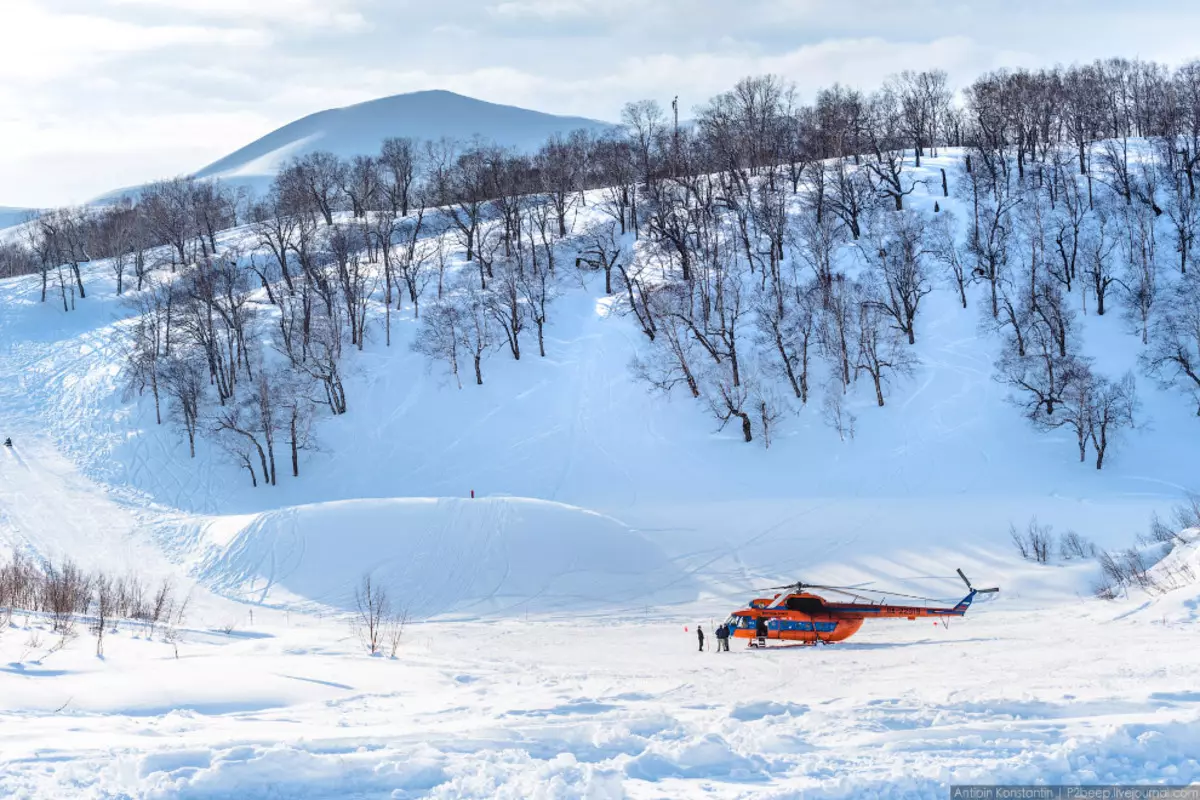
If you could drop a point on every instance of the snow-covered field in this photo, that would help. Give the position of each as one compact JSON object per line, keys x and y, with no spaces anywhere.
{"x":547,"y":654}
{"x":604,"y":707}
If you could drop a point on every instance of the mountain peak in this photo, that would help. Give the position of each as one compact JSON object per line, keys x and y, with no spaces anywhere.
{"x":360,"y":129}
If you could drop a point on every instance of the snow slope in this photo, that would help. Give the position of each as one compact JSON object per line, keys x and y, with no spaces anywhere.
{"x":360,"y":130}
{"x":550,"y":658}
{"x":931,"y":482}
{"x":449,"y":557}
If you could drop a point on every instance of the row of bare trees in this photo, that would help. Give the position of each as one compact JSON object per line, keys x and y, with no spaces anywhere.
{"x":171,"y":223}
{"x":1061,"y":236}
{"x":67,"y":595}
{"x":733,"y":205}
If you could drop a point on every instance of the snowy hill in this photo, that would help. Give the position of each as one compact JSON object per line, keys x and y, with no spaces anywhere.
{"x":929,"y":483}
{"x":360,"y":130}
{"x":464,"y":557}
{"x":556,"y":533}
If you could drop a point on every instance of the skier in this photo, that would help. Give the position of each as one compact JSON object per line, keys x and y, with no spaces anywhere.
{"x":8,"y":442}
{"x":700,"y":636}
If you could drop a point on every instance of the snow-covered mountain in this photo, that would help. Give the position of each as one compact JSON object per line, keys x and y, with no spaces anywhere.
{"x":10,"y":216}
{"x":360,"y":130}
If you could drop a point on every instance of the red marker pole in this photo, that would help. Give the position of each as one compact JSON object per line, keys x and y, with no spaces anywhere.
{"x":472,"y":494}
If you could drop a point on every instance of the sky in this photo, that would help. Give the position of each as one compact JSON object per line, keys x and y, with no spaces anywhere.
{"x":100,"y":94}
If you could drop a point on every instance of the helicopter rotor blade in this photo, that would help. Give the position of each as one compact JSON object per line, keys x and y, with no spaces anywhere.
{"x":964,"y":579}
{"x":841,"y":592}
{"x":823,"y":586}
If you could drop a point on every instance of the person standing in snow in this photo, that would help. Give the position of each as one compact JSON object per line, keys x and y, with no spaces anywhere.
{"x":722,"y":638}
{"x":700,"y":636}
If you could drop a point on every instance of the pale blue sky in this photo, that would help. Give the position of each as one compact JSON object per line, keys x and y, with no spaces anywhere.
{"x":96,"y":94}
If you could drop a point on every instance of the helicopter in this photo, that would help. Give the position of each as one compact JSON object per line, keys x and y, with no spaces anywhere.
{"x":803,"y":617}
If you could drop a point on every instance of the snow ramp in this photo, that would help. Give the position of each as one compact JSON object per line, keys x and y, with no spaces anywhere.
{"x":443,"y":557}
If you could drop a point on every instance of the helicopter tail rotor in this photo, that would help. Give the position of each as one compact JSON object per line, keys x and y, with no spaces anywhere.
{"x":972,"y":589}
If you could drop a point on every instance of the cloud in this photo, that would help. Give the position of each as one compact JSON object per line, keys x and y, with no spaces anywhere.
{"x":341,"y":15}
{"x":37,"y":45}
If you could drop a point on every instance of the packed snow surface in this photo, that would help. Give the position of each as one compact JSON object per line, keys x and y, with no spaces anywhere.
{"x":617,"y":707}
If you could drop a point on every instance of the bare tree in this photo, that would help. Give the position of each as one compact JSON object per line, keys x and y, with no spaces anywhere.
{"x":399,"y":162}
{"x":170,"y":214}
{"x":834,"y":411}
{"x":1035,"y":543}
{"x":505,"y":303}
{"x":66,"y":591}
{"x":1139,"y":286}
{"x":360,"y":183}
{"x":1098,"y":248}
{"x":820,"y":237}
{"x":1041,"y":375}
{"x":880,"y":350}
{"x":945,"y":250}
{"x":1113,"y":410}
{"x":372,"y":610}
{"x":1173,"y":358}
{"x":439,"y":335}
{"x":319,"y":177}
{"x":538,"y":289}
{"x":104,"y":608}
{"x":788,"y":321}
{"x":885,"y":156}
{"x":476,"y":329}
{"x":394,"y":630}
{"x":185,"y":378}
{"x":602,"y":249}
{"x":989,"y":243}
{"x":895,"y":248}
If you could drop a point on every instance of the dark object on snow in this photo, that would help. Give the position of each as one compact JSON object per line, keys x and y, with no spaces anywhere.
{"x":700,"y":636}
{"x":723,"y":638}
{"x":760,"y":630}
{"x":8,"y":442}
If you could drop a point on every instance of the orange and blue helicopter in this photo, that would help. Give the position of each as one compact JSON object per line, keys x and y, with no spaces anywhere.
{"x":800,"y":616}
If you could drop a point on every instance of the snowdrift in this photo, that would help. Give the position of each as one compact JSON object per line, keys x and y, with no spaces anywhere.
{"x":1175,"y":581}
{"x":439,"y":557}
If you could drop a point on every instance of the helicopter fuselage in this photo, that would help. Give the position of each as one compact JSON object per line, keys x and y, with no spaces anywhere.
{"x":809,"y":618}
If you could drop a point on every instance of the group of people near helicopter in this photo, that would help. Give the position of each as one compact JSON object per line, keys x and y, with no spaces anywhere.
{"x":724,"y":633}
{"x":722,"y":637}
